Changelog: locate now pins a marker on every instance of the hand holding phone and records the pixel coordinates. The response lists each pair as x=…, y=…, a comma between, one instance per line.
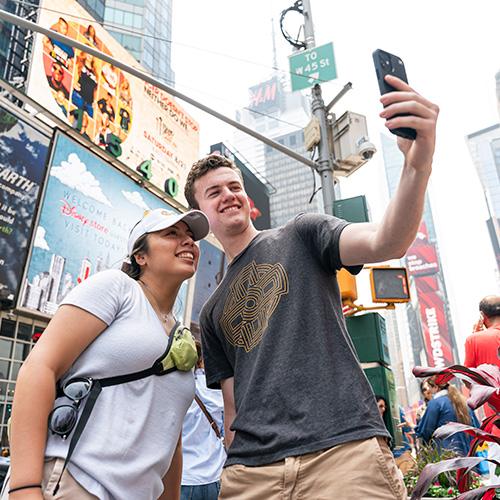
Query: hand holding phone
x=389, y=64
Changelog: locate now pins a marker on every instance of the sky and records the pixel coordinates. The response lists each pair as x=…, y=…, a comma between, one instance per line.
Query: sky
x=450, y=50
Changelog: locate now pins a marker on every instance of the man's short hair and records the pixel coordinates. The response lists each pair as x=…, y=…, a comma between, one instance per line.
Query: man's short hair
x=200, y=168
x=490, y=306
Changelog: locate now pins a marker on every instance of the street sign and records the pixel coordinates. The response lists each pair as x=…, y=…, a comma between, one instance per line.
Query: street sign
x=312, y=66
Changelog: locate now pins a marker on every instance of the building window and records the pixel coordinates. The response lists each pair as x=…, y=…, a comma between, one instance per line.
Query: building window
x=5, y=348
x=7, y=328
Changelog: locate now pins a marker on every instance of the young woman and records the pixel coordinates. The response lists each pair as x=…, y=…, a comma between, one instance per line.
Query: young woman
x=447, y=405
x=113, y=324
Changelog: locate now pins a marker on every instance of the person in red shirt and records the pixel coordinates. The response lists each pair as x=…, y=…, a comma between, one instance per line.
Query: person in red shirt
x=483, y=347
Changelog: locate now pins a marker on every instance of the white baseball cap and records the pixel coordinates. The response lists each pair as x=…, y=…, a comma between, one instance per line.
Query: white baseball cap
x=158, y=219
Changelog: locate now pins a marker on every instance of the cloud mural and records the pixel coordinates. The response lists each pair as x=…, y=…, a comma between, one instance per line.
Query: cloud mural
x=74, y=174
x=135, y=198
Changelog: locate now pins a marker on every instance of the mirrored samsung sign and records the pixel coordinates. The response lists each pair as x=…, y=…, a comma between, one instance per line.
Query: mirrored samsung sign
x=23, y=158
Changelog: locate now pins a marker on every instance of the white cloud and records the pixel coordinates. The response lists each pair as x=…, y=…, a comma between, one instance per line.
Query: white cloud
x=135, y=198
x=74, y=174
x=40, y=241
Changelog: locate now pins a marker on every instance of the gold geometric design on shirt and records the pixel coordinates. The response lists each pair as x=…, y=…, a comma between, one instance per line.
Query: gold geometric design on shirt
x=253, y=297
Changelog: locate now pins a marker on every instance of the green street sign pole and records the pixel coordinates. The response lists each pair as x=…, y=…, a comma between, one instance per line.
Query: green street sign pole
x=312, y=66
x=319, y=64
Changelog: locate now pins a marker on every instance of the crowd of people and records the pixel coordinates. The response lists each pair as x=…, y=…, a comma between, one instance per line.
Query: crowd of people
x=277, y=406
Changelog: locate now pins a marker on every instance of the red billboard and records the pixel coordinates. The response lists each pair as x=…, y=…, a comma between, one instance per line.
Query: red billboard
x=434, y=323
x=265, y=96
x=421, y=257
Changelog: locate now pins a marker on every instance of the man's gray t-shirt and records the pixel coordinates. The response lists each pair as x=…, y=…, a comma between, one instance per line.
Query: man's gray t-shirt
x=275, y=323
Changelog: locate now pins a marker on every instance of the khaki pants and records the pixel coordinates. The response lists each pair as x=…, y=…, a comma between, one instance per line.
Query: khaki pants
x=69, y=489
x=357, y=470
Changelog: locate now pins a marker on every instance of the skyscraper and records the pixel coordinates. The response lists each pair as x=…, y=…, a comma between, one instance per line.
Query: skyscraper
x=143, y=27
x=280, y=115
x=497, y=78
x=16, y=43
x=56, y=272
x=429, y=328
x=484, y=147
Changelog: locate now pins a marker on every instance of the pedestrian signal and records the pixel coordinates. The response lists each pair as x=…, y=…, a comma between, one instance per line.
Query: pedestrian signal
x=347, y=285
x=389, y=284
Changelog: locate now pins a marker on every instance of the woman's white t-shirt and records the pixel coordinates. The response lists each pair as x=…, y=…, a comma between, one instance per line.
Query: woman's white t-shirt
x=129, y=440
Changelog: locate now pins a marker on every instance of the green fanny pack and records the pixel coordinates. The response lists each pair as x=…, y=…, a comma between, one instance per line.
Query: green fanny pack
x=181, y=353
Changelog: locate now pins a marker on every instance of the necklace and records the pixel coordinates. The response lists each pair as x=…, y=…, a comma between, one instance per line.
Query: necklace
x=163, y=317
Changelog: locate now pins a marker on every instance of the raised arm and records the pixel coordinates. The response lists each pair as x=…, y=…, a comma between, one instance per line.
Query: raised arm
x=365, y=242
x=68, y=334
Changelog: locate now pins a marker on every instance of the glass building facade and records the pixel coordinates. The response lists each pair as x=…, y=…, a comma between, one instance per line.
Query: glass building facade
x=484, y=147
x=143, y=27
x=294, y=182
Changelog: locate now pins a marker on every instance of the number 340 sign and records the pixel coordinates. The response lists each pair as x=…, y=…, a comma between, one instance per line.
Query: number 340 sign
x=171, y=186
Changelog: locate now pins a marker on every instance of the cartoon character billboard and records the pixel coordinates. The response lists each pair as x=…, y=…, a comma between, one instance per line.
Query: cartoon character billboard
x=137, y=123
x=86, y=216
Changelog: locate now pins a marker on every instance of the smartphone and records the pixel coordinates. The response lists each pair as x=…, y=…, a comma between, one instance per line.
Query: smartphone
x=389, y=64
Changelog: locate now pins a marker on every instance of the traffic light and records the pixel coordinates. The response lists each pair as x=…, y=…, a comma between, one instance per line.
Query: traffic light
x=389, y=284
x=347, y=285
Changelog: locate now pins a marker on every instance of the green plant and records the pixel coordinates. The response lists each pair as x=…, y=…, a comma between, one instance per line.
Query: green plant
x=485, y=388
x=445, y=484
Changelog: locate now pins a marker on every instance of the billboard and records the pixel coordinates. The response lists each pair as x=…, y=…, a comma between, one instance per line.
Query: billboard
x=133, y=121
x=23, y=159
x=256, y=190
x=85, y=219
x=265, y=96
x=421, y=257
x=436, y=333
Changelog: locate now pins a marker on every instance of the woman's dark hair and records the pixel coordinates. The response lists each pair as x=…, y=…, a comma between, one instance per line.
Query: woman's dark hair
x=381, y=398
x=133, y=269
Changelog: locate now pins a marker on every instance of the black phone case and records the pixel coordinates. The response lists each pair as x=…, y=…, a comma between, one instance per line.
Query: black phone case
x=389, y=64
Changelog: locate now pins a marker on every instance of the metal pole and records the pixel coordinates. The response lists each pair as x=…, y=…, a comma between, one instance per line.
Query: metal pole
x=324, y=162
x=11, y=18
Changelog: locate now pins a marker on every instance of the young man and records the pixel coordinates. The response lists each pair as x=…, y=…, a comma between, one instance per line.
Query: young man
x=483, y=347
x=300, y=417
